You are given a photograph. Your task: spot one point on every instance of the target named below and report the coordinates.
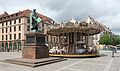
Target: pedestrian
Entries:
(113, 51)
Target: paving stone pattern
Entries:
(103, 63)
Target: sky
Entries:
(106, 12)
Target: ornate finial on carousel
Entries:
(72, 20)
(89, 16)
(90, 20)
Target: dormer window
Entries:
(12, 15)
(28, 20)
(17, 14)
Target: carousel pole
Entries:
(87, 40)
(79, 38)
(59, 41)
(62, 39)
(82, 37)
(68, 43)
(75, 36)
(74, 42)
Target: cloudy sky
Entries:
(105, 11)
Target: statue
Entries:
(35, 21)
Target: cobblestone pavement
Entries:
(103, 63)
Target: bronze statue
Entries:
(35, 21)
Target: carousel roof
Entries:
(88, 27)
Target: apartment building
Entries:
(13, 28)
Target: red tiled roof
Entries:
(46, 19)
(25, 13)
(19, 14)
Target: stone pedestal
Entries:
(35, 53)
(35, 47)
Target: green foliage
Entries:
(115, 40)
(107, 39)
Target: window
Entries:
(10, 22)
(17, 14)
(19, 20)
(14, 36)
(6, 23)
(42, 24)
(43, 30)
(2, 24)
(2, 37)
(28, 28)
(19, 35)
(14, 21)
(28, 20)
(10, 29)
(6, 37)
(15, 28)
(11, 15)
(10, 36)
(47, 38)
(2, 30)
(19, 28)
(6, 30)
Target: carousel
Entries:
(75, 38)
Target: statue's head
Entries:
(34, 10)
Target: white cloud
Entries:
(106, 11)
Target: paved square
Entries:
(103, 63)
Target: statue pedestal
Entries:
(35, 53)
(35, 47)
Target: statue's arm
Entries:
(34, 17)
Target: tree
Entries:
(105, 39)
(115, 40)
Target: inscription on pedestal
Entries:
(40, 40)
(30, 40)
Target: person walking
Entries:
(113, 51)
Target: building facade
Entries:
(13, 28)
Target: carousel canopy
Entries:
(87, 27)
